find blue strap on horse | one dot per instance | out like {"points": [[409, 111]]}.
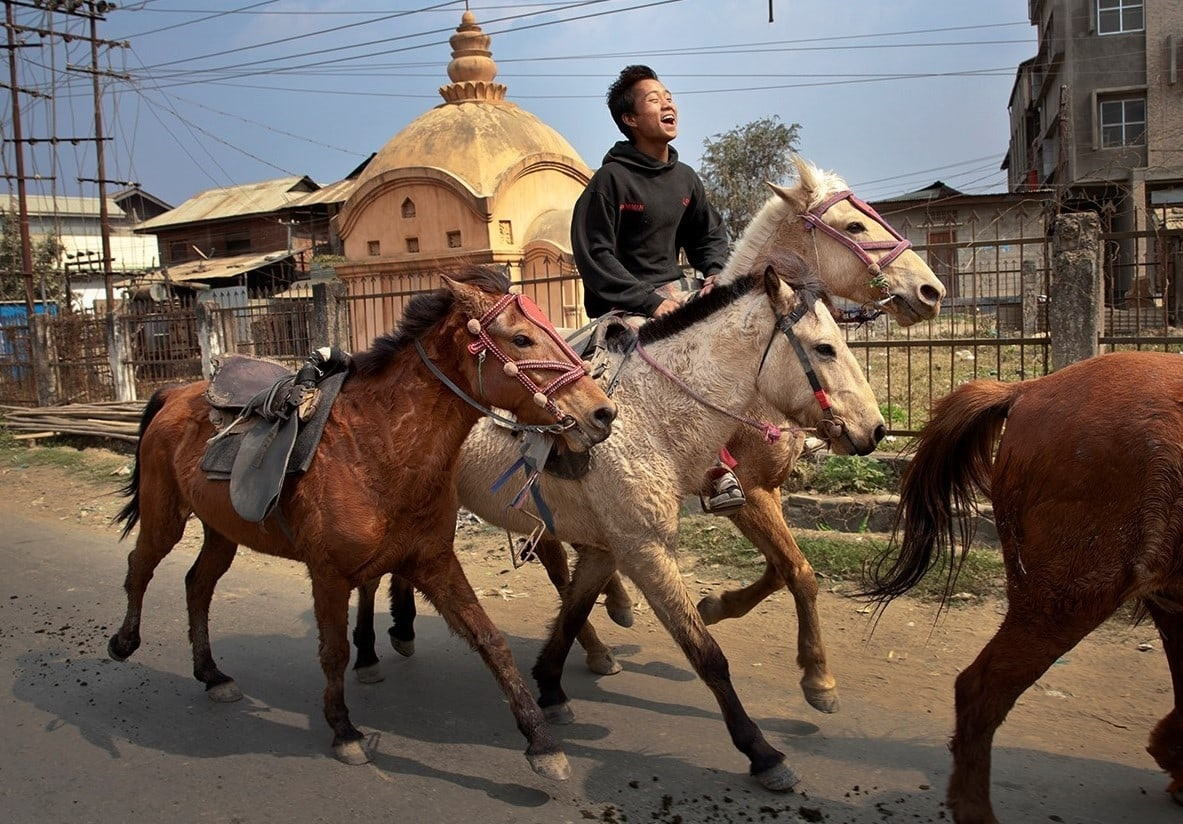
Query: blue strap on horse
{"points": [[535, 449]]}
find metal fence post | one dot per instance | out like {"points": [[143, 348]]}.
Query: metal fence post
{"points": [[209, 336], [330, 314], [119, 356], [1075, 316]]}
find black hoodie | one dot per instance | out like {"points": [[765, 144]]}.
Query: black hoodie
{"points": [[630, 222]]}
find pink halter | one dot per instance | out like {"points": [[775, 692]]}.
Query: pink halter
{"points": [[897, 247]]}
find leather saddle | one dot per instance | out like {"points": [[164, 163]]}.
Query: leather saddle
{"points": [[270, 421]]}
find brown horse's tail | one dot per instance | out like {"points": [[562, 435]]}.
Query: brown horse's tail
{"points": [[953, 461], [129, 516]]}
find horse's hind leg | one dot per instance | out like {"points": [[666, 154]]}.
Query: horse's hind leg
{"points": [[442, 581], [162, 524], [653, 569], [365, 667], [553, 557], [762, 522], [1166, 740], [593, 567], [402, 611], [1026, 644], [216, 556]]}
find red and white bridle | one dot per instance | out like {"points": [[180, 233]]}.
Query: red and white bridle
{"points": [[570, 370]]}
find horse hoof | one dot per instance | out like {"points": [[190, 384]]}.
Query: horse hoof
{"points": [[559, 713], [369, 675], [621, 616], [353, 753], [603, 663], [779, 779], [710, 609], [115, 649], [553, 765], [404, 648], [822, 700], [226, 692]]}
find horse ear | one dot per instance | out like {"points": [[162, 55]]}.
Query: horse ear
{"points": [[790, 196], [772, 282], [469, 300]]}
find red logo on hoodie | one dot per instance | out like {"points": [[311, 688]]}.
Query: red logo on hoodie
{"points": [[632, 207], [685, 201]]}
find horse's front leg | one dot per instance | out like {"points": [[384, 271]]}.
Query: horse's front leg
{"points": [[442, 581], [1166, 739], [365, 667], [762, 521], [593, 567], [553, 557], [653, 569], [330, 599]]}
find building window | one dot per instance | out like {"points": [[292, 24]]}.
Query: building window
{"points": [[178, 251], [454, 240], [238, 243], [506, 228], [412, 244], [1123, 122], [408, 208], [374, 248], [1118, 16]]}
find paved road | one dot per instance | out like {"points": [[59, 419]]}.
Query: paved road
{"points": [[87, 739]]}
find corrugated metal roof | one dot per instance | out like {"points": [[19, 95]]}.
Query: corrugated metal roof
{"points": [[337, 192], [235, 201], [222, 267], [63, 206]]}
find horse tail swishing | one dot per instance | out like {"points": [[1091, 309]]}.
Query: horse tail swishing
{"points": [[1087, 490], [129, 516], [939, 486]]}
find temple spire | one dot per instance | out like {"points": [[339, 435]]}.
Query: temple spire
{"points": [[472, 70]]}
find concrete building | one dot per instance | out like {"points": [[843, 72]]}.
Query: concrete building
{"points": [[1097, 117]]}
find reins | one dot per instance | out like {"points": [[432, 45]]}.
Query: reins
{"points": [[830, 426]]}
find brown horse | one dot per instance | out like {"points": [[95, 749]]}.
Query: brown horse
{"points": [[379, 496], [1087, 488], [856, 255]]}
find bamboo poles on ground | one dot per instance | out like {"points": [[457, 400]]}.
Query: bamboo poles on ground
{"points": [[119, 420]]}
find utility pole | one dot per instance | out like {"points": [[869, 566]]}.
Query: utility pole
{"points": [[22, 201], [104, 218]]}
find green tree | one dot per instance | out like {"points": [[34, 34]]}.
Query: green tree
{"points": [[737, 165], [47, 254]]}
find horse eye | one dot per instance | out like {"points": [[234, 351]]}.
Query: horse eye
{"points": [[522, 341], [826, 350], [855, 228]]}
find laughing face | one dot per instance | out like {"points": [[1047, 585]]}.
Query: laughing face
{"points": [[654, 120]]}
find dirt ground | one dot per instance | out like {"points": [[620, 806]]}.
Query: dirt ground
{"points": [[1097, 703]]}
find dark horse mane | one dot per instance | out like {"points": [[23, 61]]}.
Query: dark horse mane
{"points": [[422, 313], [789, 267]]}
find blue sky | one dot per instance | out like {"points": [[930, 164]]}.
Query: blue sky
{"points": [[892, 94]]}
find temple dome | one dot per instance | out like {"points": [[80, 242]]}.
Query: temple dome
{"points": [[475, 135]]}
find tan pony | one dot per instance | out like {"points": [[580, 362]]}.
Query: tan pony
{"points": [[856, 255]]}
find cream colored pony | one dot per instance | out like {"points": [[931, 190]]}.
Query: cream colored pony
{"points": [[856, 255]]}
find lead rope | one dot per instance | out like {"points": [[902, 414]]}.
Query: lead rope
{"points": [[770, 432]]}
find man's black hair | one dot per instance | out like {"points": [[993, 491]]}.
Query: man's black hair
{"points": [[620, 94]]}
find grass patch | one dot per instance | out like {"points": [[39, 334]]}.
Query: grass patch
{"points": [[838, 558], [91, 464]]}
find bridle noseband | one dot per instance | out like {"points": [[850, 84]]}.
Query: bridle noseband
{"points": [[570, 370], [894, 248]]}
